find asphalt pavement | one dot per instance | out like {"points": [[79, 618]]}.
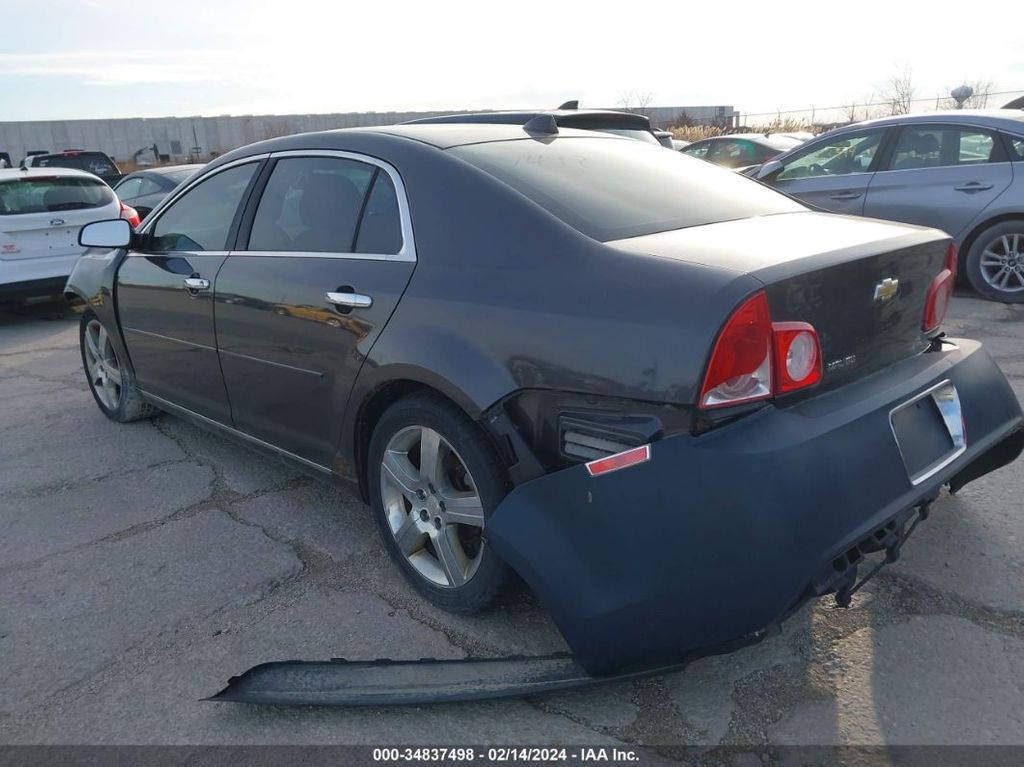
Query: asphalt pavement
{"points": [[142, 565]]}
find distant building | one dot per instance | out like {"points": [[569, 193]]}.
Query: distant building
{"points": [[198, 139]]}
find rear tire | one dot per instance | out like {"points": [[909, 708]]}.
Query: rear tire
{"points": [[110, 380], [995, 262], [433, 480]]}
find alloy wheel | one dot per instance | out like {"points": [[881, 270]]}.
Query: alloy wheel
{"points": [[432, 505], [102, 365], [1002, 263]]}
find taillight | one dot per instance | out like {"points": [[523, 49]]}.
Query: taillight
{"points": [[951, 257], [797, 356], [751, 348], [741, 363], [129, 214], [935, 305]]}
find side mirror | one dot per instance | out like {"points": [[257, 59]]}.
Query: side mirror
{"points": [[769, 168], [115, 233]]}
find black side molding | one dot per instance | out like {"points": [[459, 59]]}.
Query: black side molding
{"points": [[341, 682]]}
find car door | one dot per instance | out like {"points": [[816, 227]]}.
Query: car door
{"points": [[833, 173], [940, 175], [165, 292], [325, 254]]}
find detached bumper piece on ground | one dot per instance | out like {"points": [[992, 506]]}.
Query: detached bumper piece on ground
{"points": [[715, 540]]}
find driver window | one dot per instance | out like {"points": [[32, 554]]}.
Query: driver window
{"points": [[201, 218], [841, 156]]}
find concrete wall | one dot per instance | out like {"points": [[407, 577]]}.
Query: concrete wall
{"points": [[176, 136]]}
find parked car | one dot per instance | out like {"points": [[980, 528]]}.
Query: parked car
{"points": [[675, 402], [665, 138], [626, 124], [143, 189], [97, 163], [5, 160], [960, 171], [41, 213], [679, 145], [740, 150]]}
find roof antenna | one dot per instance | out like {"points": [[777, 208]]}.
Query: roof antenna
{"points": [[574, 104], [542, 124]]}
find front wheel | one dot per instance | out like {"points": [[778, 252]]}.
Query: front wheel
{"points": [[434, 479], [995, 263], [110, 380]]}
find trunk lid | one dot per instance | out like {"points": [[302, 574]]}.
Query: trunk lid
{"points": [[40, 217], [861, 283]]}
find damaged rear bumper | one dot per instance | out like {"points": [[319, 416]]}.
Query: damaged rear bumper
{"points": [[720, 536]]}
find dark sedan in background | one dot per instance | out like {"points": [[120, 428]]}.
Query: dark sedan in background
{"points": [[677, 403], [742, 149], [143, 189], [960, 171]]}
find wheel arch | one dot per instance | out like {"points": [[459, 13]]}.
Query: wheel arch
{"points": [[374, 402], [968, 241]]}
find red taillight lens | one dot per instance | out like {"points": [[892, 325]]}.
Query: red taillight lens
{"points": [[951, 257], [619, 461], [797, 356], [741, 362], [129, 214], [939, 294], [751, 348]]}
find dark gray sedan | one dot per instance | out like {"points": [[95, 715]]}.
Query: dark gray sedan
{"points": [[144, 189], [960, 171], [675, 402]]}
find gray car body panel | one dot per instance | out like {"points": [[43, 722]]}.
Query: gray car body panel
{"points": [[924, 196]]}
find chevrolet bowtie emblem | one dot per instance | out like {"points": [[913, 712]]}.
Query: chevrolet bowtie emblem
{"points": [[886, 289]]}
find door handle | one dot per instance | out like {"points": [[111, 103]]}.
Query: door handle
{"points": [[197, 283], [846, 196], [351, 300], [973, 186]]}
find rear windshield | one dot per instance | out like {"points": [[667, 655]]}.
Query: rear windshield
{"points": [[48, 195], [611, 189], [177, 176], [93, 162]]}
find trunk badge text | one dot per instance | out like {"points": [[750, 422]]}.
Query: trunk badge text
{"points": [[842, 362], [886, 289], [57, 222]]}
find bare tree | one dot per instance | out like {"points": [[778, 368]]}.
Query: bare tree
{"points": [[636, 101], [850, 112], [898, 93]]}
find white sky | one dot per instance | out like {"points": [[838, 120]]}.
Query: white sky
{"points": [[117, 58]]}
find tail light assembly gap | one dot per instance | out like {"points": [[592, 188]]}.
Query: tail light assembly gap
{"points": [[755, 358]]}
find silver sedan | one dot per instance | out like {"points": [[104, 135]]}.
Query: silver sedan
{"points": [[960, 171]]}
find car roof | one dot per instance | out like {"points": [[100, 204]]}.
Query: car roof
{"points": [[447, 135], [993, 118], [519, 117], [773, 140], [163, 170], [6, 174]]}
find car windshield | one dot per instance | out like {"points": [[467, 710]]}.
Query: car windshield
{"points": [[610, 189], [92, 162], [48, 195]]}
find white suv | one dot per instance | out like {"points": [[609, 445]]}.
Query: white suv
{"points": [[41, 212]]}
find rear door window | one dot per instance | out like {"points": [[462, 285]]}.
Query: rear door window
{"points": [[312, 205], [50, 195], [930, 146], [1016, 145]]}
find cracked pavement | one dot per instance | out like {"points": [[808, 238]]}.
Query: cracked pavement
{"points": [[142, 565]]}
